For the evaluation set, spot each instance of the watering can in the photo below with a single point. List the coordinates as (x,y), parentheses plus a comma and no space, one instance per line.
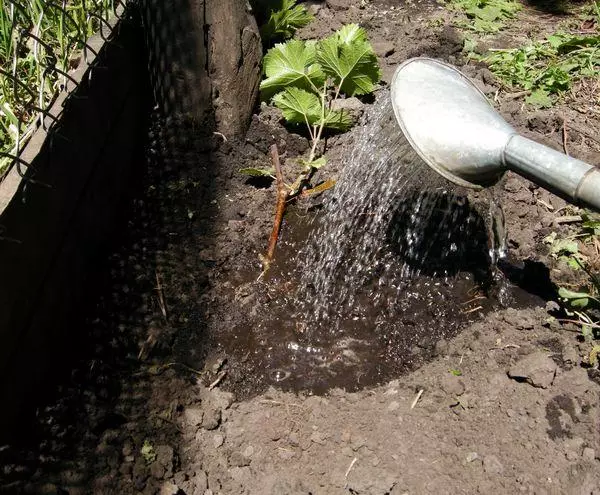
(455,130)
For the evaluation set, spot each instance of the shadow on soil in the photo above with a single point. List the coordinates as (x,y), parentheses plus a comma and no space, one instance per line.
(111,379)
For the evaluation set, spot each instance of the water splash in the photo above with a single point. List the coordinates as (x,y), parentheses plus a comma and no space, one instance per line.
(390,218)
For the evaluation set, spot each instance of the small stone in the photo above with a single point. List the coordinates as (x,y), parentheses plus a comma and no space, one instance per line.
(589,454)
(313,7)
(193,416)
(393,406)
(492,465)
(220,361)
(472,456)
(350,104)
(127,448)
(169,488)
(575,444)
(318,438)
(537,369)
(513,185)
(179,478)
(218,440)
(248,451)
(293,439)
(211,419)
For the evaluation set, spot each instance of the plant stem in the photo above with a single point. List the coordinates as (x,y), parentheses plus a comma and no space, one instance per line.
(282,195)
(317,136)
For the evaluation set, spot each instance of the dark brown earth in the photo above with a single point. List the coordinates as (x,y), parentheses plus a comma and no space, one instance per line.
(175,390)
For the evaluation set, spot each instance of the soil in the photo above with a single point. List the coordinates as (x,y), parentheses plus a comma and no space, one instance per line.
(185,383)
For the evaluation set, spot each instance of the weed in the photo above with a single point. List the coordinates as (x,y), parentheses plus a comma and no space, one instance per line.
(148,452)
(485,16)
(581,251)
(549,67)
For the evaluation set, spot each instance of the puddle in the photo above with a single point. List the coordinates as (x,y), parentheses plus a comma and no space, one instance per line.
(393,326)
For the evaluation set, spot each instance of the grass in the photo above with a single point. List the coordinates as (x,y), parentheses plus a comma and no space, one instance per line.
(39,40)
(484,16)
(546,69)
(580,252)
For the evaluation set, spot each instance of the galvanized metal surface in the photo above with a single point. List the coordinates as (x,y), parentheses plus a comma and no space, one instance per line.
(455,130)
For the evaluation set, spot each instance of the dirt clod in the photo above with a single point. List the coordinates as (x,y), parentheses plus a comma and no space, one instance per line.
(537,369)
(492,465)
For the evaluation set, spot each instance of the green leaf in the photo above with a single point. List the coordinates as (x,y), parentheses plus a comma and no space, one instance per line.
(148,452)
(469,45)
(571,261)
(349,60)
(258,172)
(284,22)
(587,332)
(539,98)
(319,162)
(455,372)
(316,164)
(593,357)
(351,33)
(576,299)
(299,106)
(291,64)
(338,120)
(565,246)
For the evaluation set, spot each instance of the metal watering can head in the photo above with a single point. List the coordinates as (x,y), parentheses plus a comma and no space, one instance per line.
(455,130)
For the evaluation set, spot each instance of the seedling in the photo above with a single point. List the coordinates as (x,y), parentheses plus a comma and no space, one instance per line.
(304,79)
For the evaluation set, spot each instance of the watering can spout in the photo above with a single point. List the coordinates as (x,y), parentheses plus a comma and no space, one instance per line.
(577,181)
(455,130)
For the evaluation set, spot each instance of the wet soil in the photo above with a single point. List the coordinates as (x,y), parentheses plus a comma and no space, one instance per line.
(197,377)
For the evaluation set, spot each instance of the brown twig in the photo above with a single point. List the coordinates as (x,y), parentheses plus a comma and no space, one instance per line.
(416,399)
(577,322)
(282,195)
(472,310)
(161,297)
(218,380)
(568,219)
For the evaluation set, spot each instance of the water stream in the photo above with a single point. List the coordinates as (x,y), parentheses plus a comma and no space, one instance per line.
(390,217)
